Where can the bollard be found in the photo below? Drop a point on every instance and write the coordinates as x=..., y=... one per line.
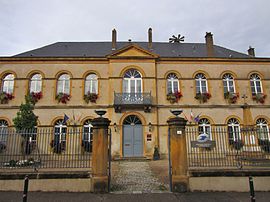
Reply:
x=251, y=189
x=25, y=189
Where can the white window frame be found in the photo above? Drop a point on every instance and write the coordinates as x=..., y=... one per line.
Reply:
x=3, y=131
x=262, y=127
x=130, y=76
x=254, y=78
x=234, y=124
x=61, y=83
x=36, y=83
x=200, y=77
x=205, y=125
x=171, y=80
x=62, y=134
x=8, y=84
x=91, y=84
x=228, y=78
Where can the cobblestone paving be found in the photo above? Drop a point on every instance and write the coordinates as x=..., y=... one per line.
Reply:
x=135, y=177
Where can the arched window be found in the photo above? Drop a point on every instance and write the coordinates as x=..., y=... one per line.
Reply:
x=205, y=127
x=262, y=129
x=201, y=83
x=228, y=83
x=91, y=84
x=172, y=83
x=87, y=135
x=8, y=84
x=234, y=130
x=63, y=84
x=132, y=82
x=36, y=83
x=60, y=131
x=255, y=84
x=3, y=134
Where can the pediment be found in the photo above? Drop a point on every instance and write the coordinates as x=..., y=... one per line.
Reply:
x=133, y=51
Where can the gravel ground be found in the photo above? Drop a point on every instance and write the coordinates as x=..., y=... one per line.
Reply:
x=137, y=177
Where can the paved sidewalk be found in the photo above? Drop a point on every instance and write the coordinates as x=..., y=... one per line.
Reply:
x=135, y=177
x=166, y=197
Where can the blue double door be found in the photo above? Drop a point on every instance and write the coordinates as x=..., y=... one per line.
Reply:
x=132, y=140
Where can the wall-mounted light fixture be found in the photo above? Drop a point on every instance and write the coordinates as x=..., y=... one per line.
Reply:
x=115, y=127
x=150, y=127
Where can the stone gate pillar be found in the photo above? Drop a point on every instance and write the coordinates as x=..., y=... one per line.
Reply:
x=178, y=154
x=100, y=153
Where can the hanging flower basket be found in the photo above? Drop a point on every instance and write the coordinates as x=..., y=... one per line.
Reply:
x=231, y=97
x=174, y=97
x=35, y=97
x=90, y=97
x=5, y=97
x=63, y=98
x=203, y=97
x=259, y=97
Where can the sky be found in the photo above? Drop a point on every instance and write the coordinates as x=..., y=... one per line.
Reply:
x=235, y=24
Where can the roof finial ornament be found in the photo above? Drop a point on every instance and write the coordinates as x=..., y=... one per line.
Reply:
x=177, y=39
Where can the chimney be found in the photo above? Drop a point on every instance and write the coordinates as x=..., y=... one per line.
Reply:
x=209, y=44
x=113, y=39
x=251, y=51
x=150, y=38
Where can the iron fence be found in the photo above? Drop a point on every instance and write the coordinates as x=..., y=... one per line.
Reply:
x=228, y=147
x=45, y=148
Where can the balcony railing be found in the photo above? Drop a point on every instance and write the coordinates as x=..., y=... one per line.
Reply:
x=132, y=100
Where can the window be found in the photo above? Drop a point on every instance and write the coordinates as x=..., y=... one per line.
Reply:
x=8, y=84
x=255, y=84
x=201, y=83
x=234, y=130
x=91, y=84
x=87, y=136
x=262, y=129
x=36, y=83
x=60, y=131
x=132, y=82
x=3, y=134
x=172, y=83
x=228, y=83
x=205, y=127
x=63, y=85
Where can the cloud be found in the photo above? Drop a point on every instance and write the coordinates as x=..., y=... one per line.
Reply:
x=30, y=24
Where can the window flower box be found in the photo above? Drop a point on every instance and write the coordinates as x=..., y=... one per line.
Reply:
x=203, y=97
x=259, y=97
x=231, y=97
x=35, y=97
x=63, y=98
x=5, y=97
x=90, y=97
x=174, y=97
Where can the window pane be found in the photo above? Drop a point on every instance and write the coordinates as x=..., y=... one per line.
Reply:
x=139, y=86
x=60, y=87
x=169, y=87
x=132, y=86
x=66, y=90
x=175, y=86
x=125, y=86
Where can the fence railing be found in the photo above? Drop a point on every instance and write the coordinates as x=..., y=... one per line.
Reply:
x=45, y=148
x=228, y=147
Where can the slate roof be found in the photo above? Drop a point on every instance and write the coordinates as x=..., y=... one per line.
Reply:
x=102, y=49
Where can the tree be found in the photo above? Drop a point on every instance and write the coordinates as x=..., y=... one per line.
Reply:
x=25, y=119
x=25, y=123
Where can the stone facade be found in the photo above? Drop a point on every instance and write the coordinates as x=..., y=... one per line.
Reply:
x=154, y=70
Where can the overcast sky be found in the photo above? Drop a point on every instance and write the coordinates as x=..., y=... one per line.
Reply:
x=235, y=24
